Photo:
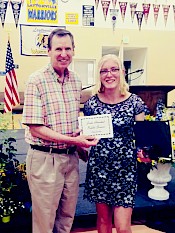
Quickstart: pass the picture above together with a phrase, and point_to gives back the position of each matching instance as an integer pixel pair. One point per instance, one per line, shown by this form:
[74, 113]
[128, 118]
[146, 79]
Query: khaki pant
[54, 183]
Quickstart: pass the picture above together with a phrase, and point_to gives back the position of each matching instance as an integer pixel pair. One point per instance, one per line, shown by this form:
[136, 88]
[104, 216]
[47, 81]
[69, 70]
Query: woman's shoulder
[91, 101]
[136, 97]
[92, 98]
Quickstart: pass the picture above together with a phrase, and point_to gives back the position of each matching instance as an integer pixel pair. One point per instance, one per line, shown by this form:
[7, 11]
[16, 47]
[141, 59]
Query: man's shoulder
[40, 71]
[39, 74]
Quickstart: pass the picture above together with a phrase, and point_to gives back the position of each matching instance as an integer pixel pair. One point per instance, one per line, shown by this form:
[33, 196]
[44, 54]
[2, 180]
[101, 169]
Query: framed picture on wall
[34, 39]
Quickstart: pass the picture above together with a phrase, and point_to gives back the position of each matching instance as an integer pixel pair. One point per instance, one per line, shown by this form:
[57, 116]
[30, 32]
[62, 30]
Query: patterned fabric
[111, 169]
[51, 103]
[159, 110]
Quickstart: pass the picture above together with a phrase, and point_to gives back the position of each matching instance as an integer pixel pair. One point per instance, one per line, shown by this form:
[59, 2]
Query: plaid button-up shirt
[51, 103]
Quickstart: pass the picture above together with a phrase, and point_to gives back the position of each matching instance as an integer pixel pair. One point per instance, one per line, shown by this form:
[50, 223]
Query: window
[85, 68]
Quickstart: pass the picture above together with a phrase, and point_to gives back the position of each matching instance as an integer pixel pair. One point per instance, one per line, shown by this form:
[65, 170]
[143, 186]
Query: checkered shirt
[51, 103]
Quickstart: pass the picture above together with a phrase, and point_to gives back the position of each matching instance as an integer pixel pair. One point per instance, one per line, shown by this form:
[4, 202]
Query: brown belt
[67, 151]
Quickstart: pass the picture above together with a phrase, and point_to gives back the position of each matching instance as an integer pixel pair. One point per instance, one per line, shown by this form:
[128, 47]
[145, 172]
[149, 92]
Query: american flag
[11, 94]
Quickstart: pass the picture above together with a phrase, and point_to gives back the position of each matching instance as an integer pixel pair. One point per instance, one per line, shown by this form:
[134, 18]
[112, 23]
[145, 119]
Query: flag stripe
[11, 94]
[15, 94]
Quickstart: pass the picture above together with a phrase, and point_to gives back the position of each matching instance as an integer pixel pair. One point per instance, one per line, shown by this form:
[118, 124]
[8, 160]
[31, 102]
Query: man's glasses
[113, 71]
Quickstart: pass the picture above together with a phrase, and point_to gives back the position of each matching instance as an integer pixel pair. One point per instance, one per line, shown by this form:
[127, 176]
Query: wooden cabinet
[151, 94]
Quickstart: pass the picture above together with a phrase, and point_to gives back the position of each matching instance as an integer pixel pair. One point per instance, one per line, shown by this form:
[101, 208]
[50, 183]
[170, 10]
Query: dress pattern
[111, 170]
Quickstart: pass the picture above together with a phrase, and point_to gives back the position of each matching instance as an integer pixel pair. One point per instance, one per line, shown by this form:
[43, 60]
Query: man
[51, 109]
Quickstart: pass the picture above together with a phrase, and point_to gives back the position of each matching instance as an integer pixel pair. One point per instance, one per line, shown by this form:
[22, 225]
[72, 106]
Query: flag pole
[8, 38]
[13, 126]
[8, 33]
[8, 30]
[121, 52]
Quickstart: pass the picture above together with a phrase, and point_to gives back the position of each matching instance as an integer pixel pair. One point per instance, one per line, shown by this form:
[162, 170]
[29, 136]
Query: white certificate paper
[99, 126]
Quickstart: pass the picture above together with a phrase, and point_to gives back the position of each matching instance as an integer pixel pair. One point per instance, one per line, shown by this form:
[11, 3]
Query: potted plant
[13, 182]
[159, 166]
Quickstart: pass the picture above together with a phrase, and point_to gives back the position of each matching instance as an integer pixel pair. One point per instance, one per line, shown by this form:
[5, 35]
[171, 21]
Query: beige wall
[89, 41]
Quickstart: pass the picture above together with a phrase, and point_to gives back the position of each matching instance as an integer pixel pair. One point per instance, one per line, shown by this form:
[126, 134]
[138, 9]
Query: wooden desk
[151, 94]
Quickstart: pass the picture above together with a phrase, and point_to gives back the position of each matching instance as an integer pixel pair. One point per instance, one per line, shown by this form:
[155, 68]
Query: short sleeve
[139, 105]
[32, 111]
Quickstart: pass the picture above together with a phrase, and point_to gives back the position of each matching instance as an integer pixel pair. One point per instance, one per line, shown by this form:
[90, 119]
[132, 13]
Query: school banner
[42, 11]
[16, 8]
[105, 7]
[34, 39]
[156, 8]
[3, 10]
[114, 15]
[133, 7]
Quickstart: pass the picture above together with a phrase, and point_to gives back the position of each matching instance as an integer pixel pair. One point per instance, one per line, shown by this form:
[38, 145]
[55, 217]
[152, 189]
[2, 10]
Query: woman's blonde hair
[124, 87]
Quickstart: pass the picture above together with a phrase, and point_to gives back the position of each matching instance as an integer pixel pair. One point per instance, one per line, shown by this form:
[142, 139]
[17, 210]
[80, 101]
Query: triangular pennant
[105, 7]
[165, 12]
[114, 14]
[174, 12]
[123, 6]
[3, 10]
[133, 7]
[16, 8]
[139, 15]
[114, 3]
[96, 3]
[156, 12]
[146, 8]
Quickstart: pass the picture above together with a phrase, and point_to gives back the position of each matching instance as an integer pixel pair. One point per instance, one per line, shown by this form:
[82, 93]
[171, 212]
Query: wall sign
[34, 39]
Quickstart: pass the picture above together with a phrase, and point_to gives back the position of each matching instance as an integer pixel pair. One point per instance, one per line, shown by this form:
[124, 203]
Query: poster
[88, 15]
[34, 39]
[71, 18]
[42, 11]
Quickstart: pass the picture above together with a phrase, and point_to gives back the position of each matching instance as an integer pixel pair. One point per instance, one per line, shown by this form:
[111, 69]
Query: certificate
[99, 126]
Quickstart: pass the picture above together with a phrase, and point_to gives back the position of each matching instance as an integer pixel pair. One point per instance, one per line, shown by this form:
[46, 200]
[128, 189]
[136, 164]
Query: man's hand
[84, 140]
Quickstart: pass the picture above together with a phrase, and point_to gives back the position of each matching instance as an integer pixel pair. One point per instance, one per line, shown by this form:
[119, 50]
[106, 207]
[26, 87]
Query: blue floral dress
[111, 170]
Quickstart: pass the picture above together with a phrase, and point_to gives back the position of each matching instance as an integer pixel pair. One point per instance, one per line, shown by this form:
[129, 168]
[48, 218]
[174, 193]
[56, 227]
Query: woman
[111, 169]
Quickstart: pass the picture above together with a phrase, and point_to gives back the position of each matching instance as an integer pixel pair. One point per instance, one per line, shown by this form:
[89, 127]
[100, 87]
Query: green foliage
[4, 121]
[13, 182]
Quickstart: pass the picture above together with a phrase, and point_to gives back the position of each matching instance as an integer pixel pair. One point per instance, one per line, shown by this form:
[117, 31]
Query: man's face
[61, 53]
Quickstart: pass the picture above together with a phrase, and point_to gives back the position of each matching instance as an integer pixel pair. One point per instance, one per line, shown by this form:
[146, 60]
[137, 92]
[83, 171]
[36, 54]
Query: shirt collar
[56, 76]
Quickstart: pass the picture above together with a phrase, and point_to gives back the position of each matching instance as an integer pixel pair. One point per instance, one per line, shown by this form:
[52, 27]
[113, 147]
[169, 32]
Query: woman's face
[110, 75]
